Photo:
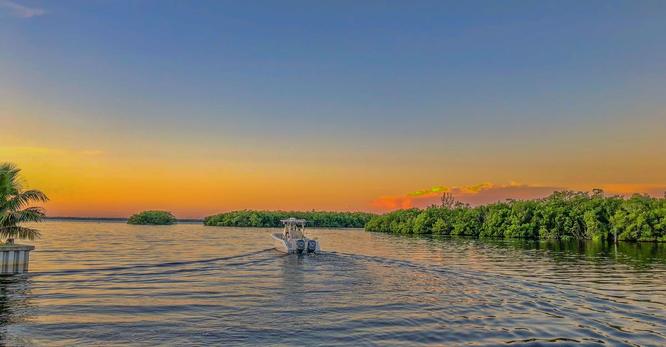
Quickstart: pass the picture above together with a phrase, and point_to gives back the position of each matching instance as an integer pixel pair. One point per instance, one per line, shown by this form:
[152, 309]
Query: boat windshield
[294, 228]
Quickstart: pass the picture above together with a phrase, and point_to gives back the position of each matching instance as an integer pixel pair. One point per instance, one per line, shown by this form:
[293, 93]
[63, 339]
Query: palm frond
[24, 199]
[9, 174]
[30, 214]
[18, 232]
[15, 205]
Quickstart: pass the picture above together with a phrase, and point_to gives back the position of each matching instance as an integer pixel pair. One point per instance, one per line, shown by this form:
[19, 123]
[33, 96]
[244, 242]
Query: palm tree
[14, 205]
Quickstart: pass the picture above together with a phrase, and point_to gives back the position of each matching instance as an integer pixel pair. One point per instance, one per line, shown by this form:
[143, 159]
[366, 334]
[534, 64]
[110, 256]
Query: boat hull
[291, 246]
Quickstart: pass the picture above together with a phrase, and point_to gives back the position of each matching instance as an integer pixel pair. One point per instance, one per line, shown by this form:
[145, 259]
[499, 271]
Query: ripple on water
[192, 285]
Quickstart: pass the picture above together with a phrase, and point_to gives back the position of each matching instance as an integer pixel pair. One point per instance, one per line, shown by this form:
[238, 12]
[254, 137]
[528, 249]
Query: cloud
[476, 194]
[388, 202]
[21, 11]
[436, 190]
[472, 194]
[487, 192]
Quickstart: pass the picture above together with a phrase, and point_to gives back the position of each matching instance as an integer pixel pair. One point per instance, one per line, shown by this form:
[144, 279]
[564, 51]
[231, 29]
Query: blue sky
[441, 87]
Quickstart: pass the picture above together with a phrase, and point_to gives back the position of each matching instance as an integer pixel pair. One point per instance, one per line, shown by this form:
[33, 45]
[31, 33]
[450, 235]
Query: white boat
[293, 240]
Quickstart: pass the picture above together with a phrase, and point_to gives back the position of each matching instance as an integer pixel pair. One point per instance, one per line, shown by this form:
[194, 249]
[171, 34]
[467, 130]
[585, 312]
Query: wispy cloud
[474, 194]
[21, 11]
[489, 192]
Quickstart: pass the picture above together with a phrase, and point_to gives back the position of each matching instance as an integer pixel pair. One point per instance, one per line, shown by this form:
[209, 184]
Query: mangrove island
[152, 218]
[562, 215]
[271, 219]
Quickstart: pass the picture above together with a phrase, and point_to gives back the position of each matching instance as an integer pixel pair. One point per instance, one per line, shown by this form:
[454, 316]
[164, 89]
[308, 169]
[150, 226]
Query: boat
[292, 239]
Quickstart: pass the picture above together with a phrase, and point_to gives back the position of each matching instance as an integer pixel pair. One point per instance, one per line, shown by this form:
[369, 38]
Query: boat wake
[156, 265]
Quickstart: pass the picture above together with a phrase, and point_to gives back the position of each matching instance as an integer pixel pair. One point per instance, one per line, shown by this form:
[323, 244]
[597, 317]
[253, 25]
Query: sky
[112, 107]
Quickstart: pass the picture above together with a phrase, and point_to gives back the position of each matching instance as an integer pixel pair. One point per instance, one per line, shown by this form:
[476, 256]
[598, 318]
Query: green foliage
[152, 218]
[259, 219]
[562, 215]
[15, 205]
[640, 218]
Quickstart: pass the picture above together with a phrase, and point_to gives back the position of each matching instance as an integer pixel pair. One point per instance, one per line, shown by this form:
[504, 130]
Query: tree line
[562, 215]
[320, 219]
[152, 218]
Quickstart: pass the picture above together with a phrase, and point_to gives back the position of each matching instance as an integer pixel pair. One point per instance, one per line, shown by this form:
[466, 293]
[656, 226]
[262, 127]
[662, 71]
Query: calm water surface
[114, 284]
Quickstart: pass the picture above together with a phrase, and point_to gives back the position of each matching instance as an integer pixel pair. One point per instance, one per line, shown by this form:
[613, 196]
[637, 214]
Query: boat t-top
[292, 238]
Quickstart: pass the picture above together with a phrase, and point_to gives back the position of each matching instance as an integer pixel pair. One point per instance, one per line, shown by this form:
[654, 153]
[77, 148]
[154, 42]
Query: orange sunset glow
[96, 183]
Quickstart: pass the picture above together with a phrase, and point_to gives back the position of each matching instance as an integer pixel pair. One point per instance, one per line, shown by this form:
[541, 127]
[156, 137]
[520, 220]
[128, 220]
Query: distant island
[86, 219]
[562, 215]
[111, 219]
[268, 219]
[152, 218]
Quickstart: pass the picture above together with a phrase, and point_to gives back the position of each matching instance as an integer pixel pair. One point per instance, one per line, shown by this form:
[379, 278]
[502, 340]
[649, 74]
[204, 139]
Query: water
[114, 284]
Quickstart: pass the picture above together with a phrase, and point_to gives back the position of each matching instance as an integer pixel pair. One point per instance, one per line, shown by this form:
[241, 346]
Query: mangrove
[152, 218]
[562, 215]
[271, 219]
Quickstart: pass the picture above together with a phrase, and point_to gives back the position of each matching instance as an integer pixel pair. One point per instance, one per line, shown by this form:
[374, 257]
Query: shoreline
[111, 219]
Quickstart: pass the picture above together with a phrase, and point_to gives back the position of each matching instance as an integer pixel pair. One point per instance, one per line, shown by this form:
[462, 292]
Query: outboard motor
[300, 246]
[312, 246]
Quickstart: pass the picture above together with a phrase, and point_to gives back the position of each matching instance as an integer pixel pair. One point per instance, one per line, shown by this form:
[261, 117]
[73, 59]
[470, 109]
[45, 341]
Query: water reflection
[639, 254]
[15, 305]
[642, 255]
[114, 284]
